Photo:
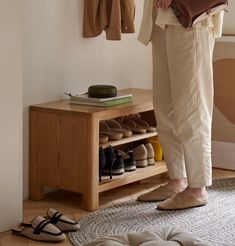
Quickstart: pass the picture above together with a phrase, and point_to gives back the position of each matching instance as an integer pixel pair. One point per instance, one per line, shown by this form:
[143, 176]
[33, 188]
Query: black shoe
[110, 157]
[118, 165]
[102, 161]
[129, 161]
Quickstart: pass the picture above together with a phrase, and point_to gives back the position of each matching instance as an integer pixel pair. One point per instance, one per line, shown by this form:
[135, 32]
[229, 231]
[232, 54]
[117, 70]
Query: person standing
[183, 101]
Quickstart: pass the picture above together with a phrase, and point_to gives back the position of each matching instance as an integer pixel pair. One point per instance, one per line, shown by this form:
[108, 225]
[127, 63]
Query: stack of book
[101, 102]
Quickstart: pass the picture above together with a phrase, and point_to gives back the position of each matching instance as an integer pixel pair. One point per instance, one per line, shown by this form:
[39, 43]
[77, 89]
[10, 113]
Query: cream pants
[183, 100]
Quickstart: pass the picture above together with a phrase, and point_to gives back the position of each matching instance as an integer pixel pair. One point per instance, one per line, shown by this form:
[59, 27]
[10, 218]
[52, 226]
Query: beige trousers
[183, 100]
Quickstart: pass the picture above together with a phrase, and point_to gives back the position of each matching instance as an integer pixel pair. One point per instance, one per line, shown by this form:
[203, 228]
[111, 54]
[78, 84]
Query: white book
[85, 98]
[213, 11]
[109, 103]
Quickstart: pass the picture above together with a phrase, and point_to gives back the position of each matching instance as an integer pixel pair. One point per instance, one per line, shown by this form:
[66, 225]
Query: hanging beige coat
[112, 16]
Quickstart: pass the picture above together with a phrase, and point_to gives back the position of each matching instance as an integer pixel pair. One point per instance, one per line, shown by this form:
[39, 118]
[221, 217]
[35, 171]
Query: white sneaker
[140, 155]
[151, 154]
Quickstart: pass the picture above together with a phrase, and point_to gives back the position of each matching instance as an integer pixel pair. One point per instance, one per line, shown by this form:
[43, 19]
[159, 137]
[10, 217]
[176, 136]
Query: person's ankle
[177, 185]
[197, 192]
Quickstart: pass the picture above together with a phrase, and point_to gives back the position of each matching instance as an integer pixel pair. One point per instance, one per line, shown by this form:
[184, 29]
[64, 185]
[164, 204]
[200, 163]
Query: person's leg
[162, 101]
[163, 108]
[190, 54]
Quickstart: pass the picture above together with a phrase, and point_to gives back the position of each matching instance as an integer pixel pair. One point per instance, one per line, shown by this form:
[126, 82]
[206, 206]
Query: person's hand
[164, 4]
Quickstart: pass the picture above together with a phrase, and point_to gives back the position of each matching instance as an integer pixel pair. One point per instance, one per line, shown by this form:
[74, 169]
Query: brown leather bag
[190, 12]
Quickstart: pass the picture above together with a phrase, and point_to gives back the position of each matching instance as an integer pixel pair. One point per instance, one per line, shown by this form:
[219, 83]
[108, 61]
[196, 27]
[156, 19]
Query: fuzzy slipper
[40, 230]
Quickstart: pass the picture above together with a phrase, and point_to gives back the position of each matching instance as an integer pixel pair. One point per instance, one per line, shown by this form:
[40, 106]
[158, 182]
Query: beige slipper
[157, 195]
[134, 127]
[116, 126]
[61, 221]
[105, 130]
[142, 123]
[129, 124]
[40, 230]
[181, 201]
[103, 138]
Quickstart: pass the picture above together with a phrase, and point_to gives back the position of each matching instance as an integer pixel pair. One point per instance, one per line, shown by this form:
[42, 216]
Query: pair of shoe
[50, 228]
[170, 200]
[112, 130]
[136, 124]
[144, 155]
[110, 162]
[142, 123]
[115, 162]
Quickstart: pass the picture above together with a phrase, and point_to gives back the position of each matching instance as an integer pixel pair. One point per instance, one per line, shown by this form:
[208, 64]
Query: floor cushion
[162, 237]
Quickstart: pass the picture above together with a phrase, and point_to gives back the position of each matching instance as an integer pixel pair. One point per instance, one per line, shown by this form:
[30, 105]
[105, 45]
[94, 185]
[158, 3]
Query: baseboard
[223, 155]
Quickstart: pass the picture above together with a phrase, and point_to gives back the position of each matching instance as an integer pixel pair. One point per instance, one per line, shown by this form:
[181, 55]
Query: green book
[109, 103]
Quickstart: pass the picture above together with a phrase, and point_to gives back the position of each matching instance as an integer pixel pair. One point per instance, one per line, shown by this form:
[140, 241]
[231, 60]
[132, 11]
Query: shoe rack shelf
[130, 177]
[64, 147]
[133, 138]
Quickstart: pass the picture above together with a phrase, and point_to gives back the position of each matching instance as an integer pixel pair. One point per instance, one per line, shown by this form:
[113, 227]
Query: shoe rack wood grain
[63, 147]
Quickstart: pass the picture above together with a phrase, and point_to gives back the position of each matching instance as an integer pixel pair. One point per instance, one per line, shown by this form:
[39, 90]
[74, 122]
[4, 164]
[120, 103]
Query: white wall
[229, 27]
[124, 63]
[43, 60]
[11, 114]
[58, 59]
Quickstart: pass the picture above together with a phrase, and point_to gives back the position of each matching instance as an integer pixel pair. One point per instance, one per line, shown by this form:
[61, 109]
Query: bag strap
[206, 6]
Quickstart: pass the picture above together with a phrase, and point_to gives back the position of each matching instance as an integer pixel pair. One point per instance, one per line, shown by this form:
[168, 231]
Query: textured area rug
[213, 223]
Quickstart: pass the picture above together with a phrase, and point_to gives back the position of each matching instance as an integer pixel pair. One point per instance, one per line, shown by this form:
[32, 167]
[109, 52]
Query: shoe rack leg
[91, 187]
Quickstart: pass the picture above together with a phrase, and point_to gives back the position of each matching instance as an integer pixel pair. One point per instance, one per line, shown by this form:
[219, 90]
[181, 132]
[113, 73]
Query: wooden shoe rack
[64, 143]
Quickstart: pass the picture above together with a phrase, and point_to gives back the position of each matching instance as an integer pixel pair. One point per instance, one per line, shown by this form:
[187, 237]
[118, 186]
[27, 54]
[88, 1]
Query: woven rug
[213, 223]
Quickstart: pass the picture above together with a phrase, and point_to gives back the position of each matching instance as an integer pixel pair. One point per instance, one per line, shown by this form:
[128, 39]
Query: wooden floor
[70, 204]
